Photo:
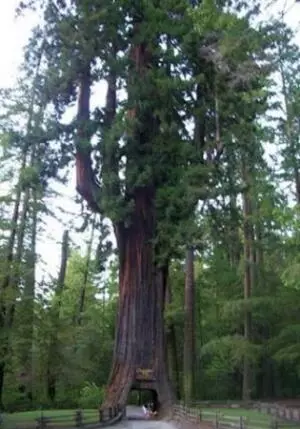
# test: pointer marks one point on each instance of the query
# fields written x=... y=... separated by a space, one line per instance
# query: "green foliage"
x=90 y=396
x=230 y=352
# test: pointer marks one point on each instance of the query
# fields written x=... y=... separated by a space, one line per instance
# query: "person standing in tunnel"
x=146 y=411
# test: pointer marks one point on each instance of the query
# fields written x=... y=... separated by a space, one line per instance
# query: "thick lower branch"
x=85 y=180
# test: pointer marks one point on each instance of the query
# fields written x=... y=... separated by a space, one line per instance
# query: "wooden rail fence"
x=82 y=418
x=78 y=419
x=219 y=420
x=277 y=410
x=280 y=411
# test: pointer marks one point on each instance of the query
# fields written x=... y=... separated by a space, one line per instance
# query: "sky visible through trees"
x=14 y=36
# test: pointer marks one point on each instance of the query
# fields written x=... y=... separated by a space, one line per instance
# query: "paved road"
x=143 y=424
x=134 y=412
x=136 y=420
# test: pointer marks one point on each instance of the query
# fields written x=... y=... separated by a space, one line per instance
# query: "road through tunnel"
x=139 y=399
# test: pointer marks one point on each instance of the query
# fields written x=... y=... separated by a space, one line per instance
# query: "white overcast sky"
x=14 y=34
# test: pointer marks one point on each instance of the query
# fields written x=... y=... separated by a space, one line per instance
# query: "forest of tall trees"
x=188 y=181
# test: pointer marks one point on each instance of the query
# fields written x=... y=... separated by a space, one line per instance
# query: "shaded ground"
x=144 y=424
x=134 y=412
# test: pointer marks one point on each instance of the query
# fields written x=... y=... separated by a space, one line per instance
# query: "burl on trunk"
x=139 y=355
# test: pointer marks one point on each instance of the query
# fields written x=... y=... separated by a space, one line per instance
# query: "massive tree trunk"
x=139 y=354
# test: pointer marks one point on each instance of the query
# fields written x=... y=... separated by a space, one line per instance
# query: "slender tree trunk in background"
x=86 y=273
x=235 y=242
x=17 y=272
x=53 y=360
x=264 y=377
x=28 y=298
x=171 y=348
x=249 y=262
x=17 y=263
x=199 y=341
x=189 y=328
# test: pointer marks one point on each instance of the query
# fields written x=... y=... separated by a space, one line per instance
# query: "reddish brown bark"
x=140 y=342
x=85 y=179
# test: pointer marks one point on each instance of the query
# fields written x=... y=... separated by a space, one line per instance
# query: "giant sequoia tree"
x=139 y=141
x=137 y=162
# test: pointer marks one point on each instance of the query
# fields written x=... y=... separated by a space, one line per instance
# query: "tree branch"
x=85 y=179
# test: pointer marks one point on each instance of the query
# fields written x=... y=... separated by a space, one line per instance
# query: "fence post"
x=78 y=418
x=274 y=423
x=217 y=421
x=43 y=423
x=200 y=415
x=241 y=422
x=100 y=416
x=110 y=413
